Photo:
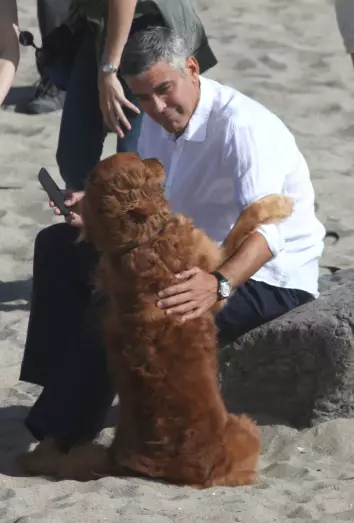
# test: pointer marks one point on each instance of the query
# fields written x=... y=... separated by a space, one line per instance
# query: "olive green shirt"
x=179 y=15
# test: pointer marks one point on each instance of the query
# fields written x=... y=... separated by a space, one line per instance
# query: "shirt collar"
x=196 y=130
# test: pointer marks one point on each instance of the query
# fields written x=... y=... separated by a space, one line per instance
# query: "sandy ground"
x=289 y=56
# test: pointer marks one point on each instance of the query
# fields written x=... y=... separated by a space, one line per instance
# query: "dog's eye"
x=136 y=216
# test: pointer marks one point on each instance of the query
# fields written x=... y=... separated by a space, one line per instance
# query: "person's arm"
x=259 y=154
x=112 y=98
x=345 y=19
x=253 y=253
x=9 y=45
x=197 y=291
x=120 y=18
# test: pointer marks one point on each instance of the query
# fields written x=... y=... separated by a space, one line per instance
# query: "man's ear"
x=156 y=169
x=192 y=66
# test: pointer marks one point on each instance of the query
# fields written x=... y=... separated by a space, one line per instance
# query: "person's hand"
x=113 y=102
x=196 y=294
x=73 y=199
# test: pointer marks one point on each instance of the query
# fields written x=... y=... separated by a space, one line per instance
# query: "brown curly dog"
x=173 y=424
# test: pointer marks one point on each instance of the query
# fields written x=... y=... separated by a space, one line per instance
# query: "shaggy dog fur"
x=173 y=424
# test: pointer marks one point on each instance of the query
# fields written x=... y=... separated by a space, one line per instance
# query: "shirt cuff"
x=273 y=237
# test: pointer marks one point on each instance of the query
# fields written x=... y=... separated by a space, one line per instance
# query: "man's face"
x=168 y=96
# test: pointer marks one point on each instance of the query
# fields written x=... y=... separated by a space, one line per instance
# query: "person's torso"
x=201 y=184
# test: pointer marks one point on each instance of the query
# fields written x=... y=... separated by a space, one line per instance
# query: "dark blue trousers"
x=82 y=130
x=64 y=351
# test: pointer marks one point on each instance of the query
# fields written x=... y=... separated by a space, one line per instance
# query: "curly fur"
x=173 y=424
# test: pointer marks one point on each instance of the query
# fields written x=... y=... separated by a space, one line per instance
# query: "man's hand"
x=196 y=294
x=112 y=102
x=73 y=199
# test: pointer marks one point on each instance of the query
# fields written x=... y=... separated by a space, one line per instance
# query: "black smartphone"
x=53 y=191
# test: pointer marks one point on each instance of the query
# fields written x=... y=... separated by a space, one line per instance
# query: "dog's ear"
x=156 y=169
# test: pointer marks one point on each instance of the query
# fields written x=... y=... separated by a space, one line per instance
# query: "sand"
x=289 y=56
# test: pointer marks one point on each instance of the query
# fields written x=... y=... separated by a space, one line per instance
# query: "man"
x=345 y=19
x=97 y=98
x=221 y=151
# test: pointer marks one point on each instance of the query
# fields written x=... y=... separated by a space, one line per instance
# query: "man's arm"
x=253 y=253
x=197 y=291
x=345 y=19
x=9 y=45
x=259 y=153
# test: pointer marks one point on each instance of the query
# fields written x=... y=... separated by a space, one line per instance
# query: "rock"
x=299 y=368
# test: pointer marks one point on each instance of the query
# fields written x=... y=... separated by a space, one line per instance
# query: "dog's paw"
x=285 y=207
x=271 y=208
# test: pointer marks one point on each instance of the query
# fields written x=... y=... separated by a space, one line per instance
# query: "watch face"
x=108 y=68
x=225 y=289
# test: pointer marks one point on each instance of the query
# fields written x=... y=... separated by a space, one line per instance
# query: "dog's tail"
x=270 y=209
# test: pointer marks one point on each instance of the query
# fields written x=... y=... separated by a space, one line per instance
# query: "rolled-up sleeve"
x=262 y=153
x=272 y=236
x=345 y=19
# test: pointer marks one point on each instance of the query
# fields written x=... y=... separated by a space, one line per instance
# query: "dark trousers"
x=82 y=130
x=64 y=351
x=51 y=14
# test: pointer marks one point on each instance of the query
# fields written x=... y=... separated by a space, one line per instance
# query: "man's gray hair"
x=150 y=46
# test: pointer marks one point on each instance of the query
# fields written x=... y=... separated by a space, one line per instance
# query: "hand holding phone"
x=53 y=191
x=66 y=203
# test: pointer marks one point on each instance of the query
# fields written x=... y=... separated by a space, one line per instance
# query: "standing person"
x=98 y=99
x=47 y=97
x=345 y=19
x=9 y=45
x=221 y=151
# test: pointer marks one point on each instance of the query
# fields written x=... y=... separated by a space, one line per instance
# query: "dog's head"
x=123 y=200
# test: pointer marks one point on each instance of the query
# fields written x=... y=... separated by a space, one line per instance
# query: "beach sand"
x=289 y=56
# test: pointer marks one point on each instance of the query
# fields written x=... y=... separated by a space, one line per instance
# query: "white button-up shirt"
x=233 y=152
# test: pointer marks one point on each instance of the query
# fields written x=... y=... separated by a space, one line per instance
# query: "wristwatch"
x=224 y=286
x=109 y=68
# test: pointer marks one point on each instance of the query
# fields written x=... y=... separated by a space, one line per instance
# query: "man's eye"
x=164 y=88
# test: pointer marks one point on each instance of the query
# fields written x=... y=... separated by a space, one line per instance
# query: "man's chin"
x=173 y=127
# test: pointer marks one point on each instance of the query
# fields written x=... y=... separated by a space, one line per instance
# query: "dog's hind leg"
x=242 y=450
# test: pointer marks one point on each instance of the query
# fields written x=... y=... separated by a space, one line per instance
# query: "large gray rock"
x=298 y=369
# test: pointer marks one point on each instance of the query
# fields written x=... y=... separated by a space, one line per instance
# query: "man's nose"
x=158 y=104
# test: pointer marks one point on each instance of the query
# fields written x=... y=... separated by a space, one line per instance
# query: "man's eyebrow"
x=156 y=88
x=163 y=84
